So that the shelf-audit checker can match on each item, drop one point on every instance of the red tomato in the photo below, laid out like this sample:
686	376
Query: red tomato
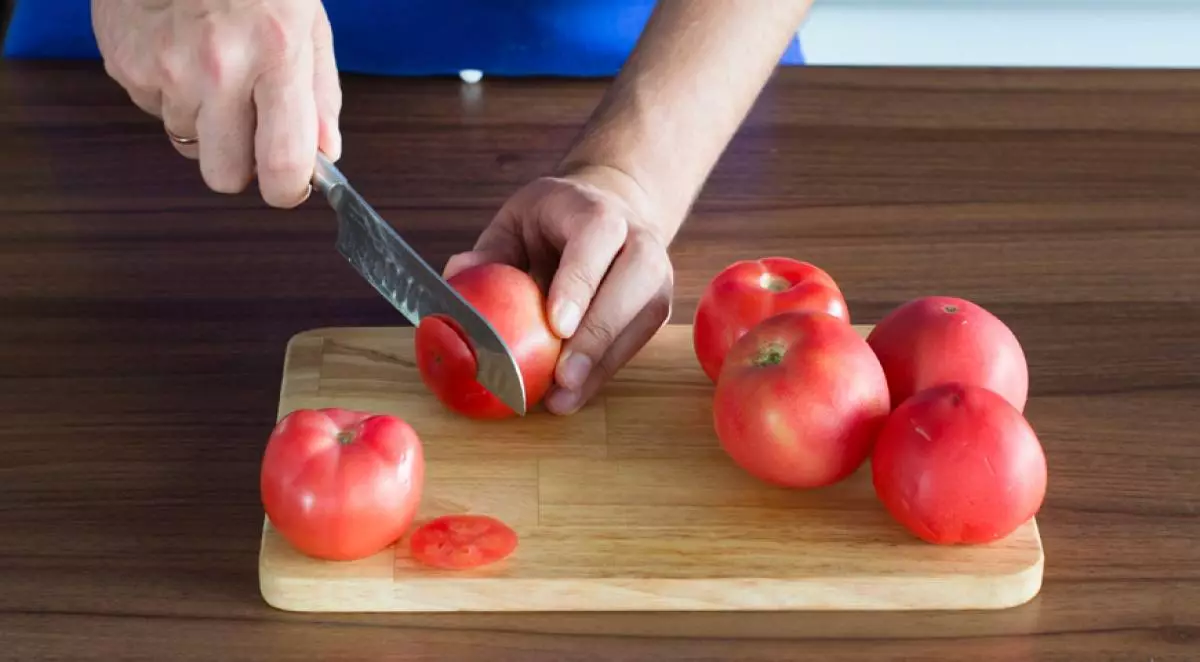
748	292
510	300
937	340
800	399
457	542
342	485
959	464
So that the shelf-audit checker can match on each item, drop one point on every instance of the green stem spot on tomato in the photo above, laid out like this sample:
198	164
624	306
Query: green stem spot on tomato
774	283
345	437
770	355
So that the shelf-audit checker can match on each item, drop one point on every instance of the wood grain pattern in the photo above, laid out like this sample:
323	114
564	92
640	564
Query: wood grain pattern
142	321
666	530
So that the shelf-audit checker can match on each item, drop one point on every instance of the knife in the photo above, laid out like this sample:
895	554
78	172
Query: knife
394	269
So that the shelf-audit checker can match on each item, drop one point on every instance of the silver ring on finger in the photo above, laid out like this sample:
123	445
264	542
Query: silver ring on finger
180	140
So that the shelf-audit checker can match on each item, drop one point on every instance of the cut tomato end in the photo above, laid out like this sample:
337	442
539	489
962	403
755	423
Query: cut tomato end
457	542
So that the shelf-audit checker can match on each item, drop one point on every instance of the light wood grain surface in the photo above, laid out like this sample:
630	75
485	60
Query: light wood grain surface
143	320
674	526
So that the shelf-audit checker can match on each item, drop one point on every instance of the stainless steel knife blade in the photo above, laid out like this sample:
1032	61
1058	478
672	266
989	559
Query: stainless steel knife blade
395	270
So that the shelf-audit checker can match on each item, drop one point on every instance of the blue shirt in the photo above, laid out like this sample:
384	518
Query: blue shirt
413	37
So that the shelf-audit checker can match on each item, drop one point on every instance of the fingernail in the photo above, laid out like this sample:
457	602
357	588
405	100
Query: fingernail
573	370
562	401
566	318
455	264
449	270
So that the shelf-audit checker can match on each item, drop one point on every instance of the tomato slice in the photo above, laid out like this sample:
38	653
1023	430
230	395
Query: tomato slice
457	542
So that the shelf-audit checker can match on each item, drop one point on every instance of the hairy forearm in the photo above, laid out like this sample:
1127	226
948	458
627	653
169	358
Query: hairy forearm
681	96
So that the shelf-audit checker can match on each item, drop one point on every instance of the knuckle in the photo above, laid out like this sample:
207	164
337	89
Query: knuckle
580	280
598	333
223	178
658	266
607	216
651	257
578	283
117	71
659	309
128	67
169	71
276	39
217	55
285	165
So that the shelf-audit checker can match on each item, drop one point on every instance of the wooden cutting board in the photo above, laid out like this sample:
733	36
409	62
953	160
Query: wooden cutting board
630	504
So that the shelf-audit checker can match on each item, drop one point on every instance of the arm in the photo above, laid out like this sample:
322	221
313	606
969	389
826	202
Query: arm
681	96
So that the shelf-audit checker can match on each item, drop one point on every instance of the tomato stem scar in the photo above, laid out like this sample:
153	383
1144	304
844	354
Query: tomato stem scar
769	355
773	283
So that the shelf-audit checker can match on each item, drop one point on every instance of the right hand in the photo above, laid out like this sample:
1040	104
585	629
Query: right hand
250	86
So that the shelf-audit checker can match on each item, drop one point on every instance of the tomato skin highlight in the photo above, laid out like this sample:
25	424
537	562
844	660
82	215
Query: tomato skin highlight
958	464
341	485
799	400
511	301
748	292
937	340
460	542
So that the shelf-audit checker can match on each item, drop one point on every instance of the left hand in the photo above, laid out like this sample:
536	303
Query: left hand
587	236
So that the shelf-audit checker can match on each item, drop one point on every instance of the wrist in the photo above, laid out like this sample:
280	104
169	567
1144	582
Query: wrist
652	212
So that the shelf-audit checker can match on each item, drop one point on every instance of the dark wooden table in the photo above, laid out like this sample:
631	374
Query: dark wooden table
143	321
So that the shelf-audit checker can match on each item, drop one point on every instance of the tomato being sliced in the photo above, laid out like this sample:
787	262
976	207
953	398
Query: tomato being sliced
457	542
510	300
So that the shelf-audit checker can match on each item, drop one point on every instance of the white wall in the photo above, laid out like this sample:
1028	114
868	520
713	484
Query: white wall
1070	33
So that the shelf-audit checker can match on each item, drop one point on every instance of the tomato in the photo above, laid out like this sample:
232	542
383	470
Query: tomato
958	464
339	484
747	292
800	399
936	340
457	542
511	301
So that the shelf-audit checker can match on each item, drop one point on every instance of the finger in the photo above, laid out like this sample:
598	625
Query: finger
463	261
636	277
135	83
640	330
327	88
150	101
285	145
179	119
500	241
591	236
226	124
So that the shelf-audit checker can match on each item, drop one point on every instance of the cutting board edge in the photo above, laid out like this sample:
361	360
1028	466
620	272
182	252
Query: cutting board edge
379	594
665	595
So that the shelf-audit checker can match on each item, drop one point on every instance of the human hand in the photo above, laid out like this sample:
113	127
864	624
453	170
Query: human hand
586	237
245	86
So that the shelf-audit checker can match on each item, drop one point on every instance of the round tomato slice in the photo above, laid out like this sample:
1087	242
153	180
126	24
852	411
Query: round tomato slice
457	542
